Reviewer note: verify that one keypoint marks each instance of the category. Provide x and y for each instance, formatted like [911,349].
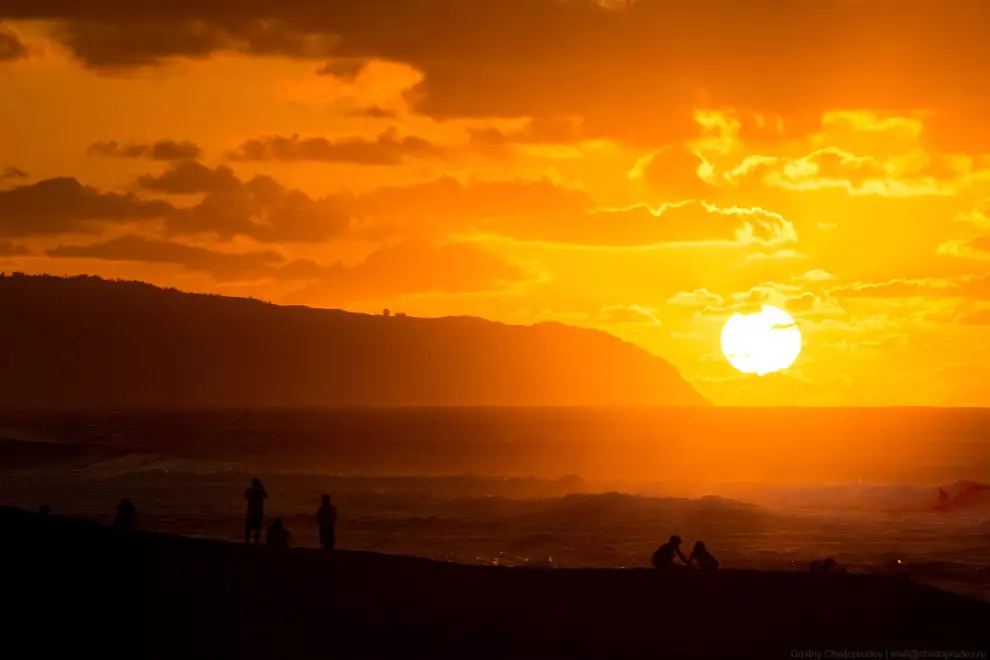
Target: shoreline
[82,590]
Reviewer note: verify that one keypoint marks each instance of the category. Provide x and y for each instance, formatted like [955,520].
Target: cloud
[975,247]
[64,205]
[627,315]
[681,224]
[9,249]
[13,173]
[373,112]
[816,275]
[413,267]
[220,265]
[677,170]
[11,46]
[343,67]
[542,130]
[975,287]
[808,305]
[161,150]
[445,205]
[544,212]
[698,298]
[494,58]
[260,208]
[189,178]
[387,149]
[833,168]
[979,317]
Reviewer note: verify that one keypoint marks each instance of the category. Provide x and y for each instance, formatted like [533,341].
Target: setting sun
[762,342]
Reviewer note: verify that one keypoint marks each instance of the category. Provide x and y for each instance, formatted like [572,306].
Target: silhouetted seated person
[663,558]
[326,518]
[255,496]
[827,565]
[44,510]
[702,559]
[126,518]
[278,535]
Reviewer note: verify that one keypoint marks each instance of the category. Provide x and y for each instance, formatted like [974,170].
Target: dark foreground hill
[84,341]
[73,589]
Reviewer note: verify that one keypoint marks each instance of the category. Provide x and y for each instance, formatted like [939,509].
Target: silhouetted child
[278,535]
[326,518]
[701,558]
[126,518]
[663,558]
[255,496]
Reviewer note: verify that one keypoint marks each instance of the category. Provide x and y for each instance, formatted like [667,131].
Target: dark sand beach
[77,590]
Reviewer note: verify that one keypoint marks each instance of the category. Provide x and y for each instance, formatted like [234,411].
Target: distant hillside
[84,341]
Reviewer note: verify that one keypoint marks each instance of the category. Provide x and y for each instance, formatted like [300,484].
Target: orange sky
[644,167]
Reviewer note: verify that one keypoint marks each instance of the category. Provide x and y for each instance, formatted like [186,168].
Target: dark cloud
[634,73]
[63,205]
[11,46]
[220,265]
[387,149]
[373,112]
[13,173]
[10,249]
[161,150]
[260,208]
[413,267]
[189,178]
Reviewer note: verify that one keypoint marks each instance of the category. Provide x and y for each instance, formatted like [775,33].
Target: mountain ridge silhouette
[85,341]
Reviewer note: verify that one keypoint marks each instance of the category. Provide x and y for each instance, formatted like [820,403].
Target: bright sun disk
[761,342]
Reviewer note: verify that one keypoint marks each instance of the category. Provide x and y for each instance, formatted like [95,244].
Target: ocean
[764,488]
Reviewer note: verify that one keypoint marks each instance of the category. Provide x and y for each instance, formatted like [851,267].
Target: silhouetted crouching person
[278,535]
[827,565]
[663,558]
[702,559]
[326,518]
[255,496]
[126,518]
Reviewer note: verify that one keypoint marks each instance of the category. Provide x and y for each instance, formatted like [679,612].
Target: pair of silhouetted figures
[663,558]
[278,535]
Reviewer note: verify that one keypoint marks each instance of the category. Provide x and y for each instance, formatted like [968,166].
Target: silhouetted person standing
[126,518]
[663,558]
[701,558]
[326,517]
[255,496]
[278,535]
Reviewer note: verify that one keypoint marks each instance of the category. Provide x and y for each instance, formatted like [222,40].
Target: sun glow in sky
[646,168]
